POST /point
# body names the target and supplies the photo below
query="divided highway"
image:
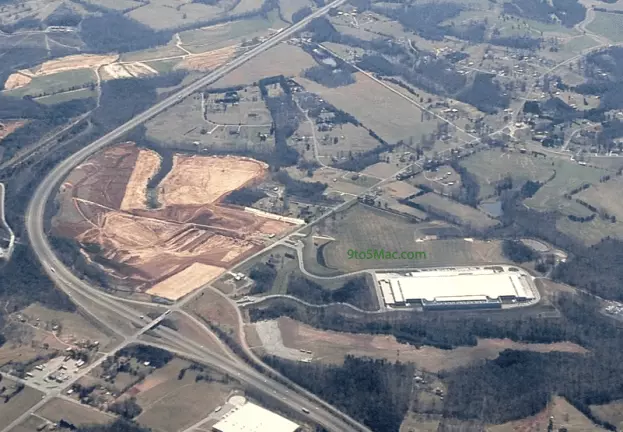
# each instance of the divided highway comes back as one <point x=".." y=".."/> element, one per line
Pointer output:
<point x="94" y="301"/>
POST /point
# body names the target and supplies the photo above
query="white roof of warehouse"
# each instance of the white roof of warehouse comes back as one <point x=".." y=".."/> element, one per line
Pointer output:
<point x="454" y="285"/>
<point x="253" y="418"/>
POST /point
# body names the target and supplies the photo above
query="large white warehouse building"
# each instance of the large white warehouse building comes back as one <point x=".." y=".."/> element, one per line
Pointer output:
<point x="253" y="418"/>
<point x="481" y="286"/>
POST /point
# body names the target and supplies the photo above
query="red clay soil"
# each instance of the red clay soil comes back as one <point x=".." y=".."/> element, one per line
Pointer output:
<point x="102" y="178"/>
<point x="143" y="247"/>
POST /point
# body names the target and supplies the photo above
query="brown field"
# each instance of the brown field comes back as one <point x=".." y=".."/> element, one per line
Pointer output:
<point x="208" y="60"/>
<point x="146" y="166"/>
<point x="285" y="59"/>
<point x="103" y="202"/>
<point x="75" y="413"/>
<point x="213" y="307"/>
<point x="564" y="415"/>
<point x="72" y="326"/>
<point x="186" y="281"/>
<point x="393" y="117"/>
<point x="19" y="403"/>
<point x="196" y="331"/>
<point x="196" y="180"/>
<point x="29" y="425"/>
<point x="8" y="127"/>
<point x="32" y="338"/>
<point x="170" y="404"/>
<point x="329" y="346"/>
<point x="612" y="413"/>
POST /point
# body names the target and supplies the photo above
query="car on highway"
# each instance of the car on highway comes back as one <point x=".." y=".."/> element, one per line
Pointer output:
<point x="52" y="269"/>
<point x="305" y="410"/>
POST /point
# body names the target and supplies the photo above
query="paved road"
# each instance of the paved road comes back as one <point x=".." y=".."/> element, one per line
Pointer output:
<point x="88" y="297"/>
<point x="5" y="253"/>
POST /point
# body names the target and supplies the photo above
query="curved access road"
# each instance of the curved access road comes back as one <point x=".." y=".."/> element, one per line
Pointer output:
<point x="6" y="254"/>
<point x="71" y="284"/>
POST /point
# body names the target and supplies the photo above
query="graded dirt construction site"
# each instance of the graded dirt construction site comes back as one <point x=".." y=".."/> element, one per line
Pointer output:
<point x="23" y="77"/>
<point x="195" y="180"/>
<point x="169" y="250"/>
<point x="208" y="60"/>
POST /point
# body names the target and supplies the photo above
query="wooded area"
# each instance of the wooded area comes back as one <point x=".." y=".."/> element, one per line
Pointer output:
<point x="517" y="384"/>
<point x="375" y="392"/>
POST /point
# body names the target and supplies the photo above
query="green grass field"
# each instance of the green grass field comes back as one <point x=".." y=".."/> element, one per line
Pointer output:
<point x="468" y="215"/>
<point x="362" y="228"/>
<point x="165" y="14"/>
<point x="84" y="93"/>
<point x="569" y="175"/>
<point x="56" y="83"/>
<point x="591" y="232"/>
<point x="577" y="44"/>
<point x="612" y="412"/>
<point x="164" y="66"/>
<point x="230" y="33"/>
<point x="115" y="4"/>
<point x="608" y="25"/>
<point x="288" y="7"/>
<point x="491" y="166"/>
<point x="606" y="196"/>
<point x="160" y="52"/>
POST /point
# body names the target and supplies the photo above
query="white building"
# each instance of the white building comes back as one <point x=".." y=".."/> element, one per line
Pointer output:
<point x="253" y="418"/>
<point x="455" y="285"/>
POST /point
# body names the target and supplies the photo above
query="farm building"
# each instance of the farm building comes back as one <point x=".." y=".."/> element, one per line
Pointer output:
<point x="456" y="288"/>
<point x="253" y="418"/>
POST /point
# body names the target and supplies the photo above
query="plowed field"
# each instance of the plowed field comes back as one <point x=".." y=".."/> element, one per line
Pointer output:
<point x="171" y="250"/>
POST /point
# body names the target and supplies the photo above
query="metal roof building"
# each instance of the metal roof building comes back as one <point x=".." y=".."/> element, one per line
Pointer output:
<point x="253" y="418"/>
<point x="455" y="285"/>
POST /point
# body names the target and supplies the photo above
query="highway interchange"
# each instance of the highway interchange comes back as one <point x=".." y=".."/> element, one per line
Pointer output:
<point x="112" y="311"/>
<point x="118" y="314"/>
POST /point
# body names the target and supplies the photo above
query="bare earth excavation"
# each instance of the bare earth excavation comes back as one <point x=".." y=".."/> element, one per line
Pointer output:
<point x="188" y="236"/>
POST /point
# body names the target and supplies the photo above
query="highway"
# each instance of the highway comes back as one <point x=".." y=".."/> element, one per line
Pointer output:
<point x="102" y="305"/>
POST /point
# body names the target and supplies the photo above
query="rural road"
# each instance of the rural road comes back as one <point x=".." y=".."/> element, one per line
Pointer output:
<point x="91" y="299"/>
